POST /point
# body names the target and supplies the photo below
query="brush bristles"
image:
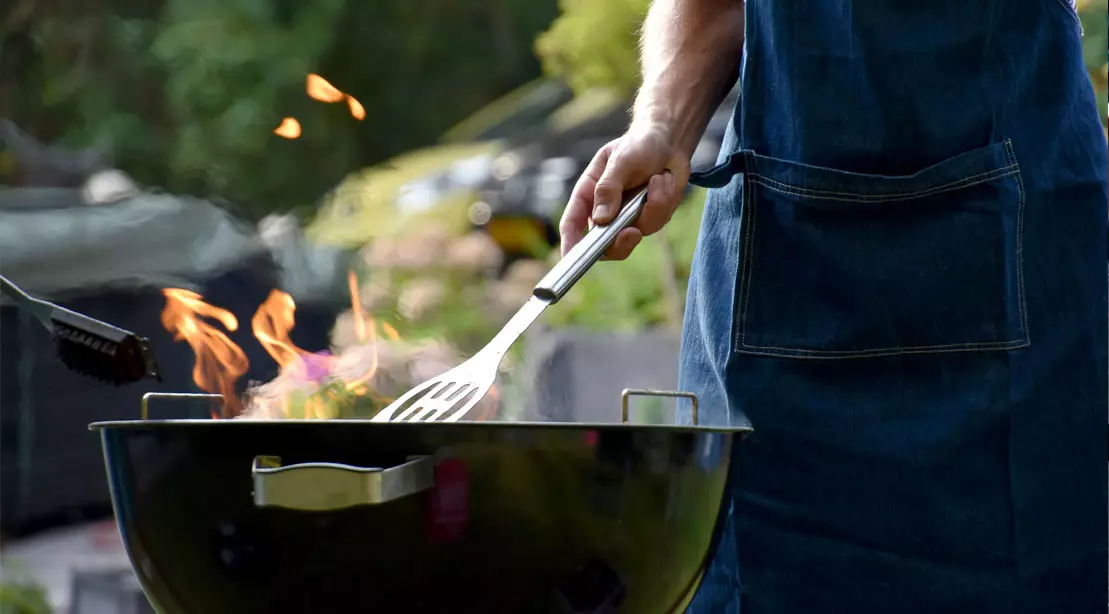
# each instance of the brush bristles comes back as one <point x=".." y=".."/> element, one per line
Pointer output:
<point x="104" y="353"/>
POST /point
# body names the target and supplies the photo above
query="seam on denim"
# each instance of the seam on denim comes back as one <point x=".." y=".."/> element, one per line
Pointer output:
<point x="1021" y="302"/>
<point x="966" y="182"/>
<point x="803" y="352"/>
<point x="750" y="198"/>
<point x="748" y="253"/>
<point x="751" y="252"/>
<point x="897" y="351"/>
<point x="1073" y="13"/>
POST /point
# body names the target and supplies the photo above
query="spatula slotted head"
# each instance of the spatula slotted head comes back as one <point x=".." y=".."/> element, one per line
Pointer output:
<point x="446" y="398"/>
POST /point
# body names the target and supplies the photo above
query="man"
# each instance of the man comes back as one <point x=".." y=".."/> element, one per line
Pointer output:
<point x="900" y="283"/>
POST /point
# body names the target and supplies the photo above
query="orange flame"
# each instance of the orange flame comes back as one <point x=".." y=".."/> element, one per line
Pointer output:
<point x="289" y="128"/>
<point x="219" y="361"/>
<point x="356" y="109"/>
<point x="271" y="325"/>
<point x="492" y="402"/>
<point x="365" y="330"/>
<point x="390" y="332"/>
<point x="320" y="89"/>
<point x="356" y="306"/>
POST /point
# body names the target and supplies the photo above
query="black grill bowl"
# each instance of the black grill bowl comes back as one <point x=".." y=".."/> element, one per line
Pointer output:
<point x="537" y="518"/>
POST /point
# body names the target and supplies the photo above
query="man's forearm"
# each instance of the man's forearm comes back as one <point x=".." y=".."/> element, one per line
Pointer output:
<point x="690" y="50"/>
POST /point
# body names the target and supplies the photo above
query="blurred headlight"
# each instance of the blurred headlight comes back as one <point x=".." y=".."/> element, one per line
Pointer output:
<point x="424" y="193"/>
<point x="550" y="194"/>
<point x="480" y="213"/>
<point x="561" y="168"/>
<point x="471" y="172"/>
<point x="421" y="194"/>
<point x="505" y="166"/>
<point x="552" y="185"/>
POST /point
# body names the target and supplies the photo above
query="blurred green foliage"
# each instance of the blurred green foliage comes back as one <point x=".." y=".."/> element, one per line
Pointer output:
<point x="188" y="92"/>
<point x="18" y="596"/>
<point x="594" y="44"/>
<point x="1095" y="45"/>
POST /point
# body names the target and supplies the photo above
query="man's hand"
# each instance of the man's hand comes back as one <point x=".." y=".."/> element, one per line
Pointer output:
<point x="689" y="54"/>
<point x="644" y="155"/>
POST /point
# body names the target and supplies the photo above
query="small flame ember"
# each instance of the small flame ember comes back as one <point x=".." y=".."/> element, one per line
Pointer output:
<point x="219" y="362"/>
<point x="320" y="89"/>
<point x="356" y="108"/>
<point x="289" y="129"/>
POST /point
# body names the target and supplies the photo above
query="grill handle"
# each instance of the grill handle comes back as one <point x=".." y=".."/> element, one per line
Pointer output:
<point x="586" y="253"/>
<point x="319" y="487"/>
<point x="673" y="394"/>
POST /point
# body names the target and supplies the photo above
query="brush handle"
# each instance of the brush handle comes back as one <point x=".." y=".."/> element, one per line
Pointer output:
<point x="589" y="250"/>
<point x="42" y="310"/>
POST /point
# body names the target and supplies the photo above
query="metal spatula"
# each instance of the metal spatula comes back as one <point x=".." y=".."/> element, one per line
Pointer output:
<point x="448" y="397"/>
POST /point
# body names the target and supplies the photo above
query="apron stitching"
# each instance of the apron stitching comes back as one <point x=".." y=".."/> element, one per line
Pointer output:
<point x="1073" y="14"/>
<point x="966" y="182"/>
<point x="752" y="232"/>
<point x="752" y="179"/>
<point x="748" y="254"/>
<point x="891" y="351"/>
<point x="1020" y="243"/>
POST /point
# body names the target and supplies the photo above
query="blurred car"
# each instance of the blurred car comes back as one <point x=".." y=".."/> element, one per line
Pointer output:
<point x="437" y="182"/>
<point x="529" y="184"/>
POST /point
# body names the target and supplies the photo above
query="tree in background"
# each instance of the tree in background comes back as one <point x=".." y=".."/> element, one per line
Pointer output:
<point x="186" y="93"/>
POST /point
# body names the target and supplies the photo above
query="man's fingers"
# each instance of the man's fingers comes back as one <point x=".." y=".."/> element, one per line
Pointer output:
<point x="575" y="221"/>
<point x="624" y="244"/>
<point x="609" y="192"/>
<point x="661" y="198"/>
<point x="617" y="167"/>
<point x="575" y="218"/>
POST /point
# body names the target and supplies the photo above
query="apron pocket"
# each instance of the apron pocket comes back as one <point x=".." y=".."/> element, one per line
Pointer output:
<point x="843" y="265"/>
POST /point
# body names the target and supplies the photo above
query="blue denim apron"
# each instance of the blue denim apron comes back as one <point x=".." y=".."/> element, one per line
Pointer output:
<point x="900" y="284"/>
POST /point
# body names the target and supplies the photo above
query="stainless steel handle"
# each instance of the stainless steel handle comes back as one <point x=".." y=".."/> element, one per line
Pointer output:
<point x="643" y="392"/>
<point x="146" y="398"/>
<point x="587" y="252"/>
<point x="330" y="486"/>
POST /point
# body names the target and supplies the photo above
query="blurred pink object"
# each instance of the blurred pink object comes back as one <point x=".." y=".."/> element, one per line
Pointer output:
<point x="317" y="367"/>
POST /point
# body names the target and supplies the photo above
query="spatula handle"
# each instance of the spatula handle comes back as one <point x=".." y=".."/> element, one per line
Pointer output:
<point x="589" y="250"/>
